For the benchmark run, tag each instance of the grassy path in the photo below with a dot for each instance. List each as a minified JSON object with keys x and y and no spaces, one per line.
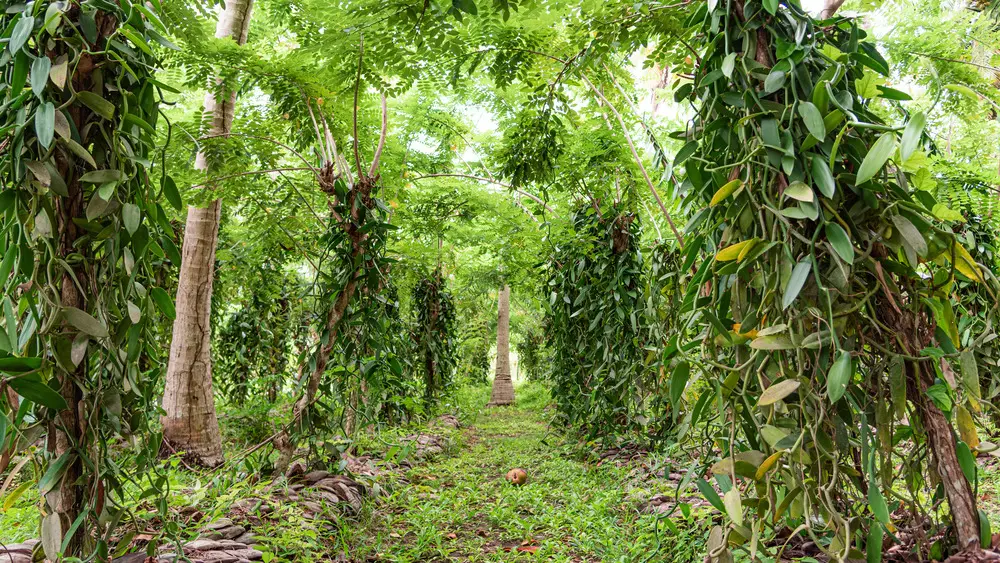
{"x":459,"y":508}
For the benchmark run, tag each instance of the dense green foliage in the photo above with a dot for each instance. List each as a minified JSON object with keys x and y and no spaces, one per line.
{"x":762,"y":243}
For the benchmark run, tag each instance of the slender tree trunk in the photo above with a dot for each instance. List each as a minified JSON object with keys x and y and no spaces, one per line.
{"x":190,"y":423}
{"x":503,"y":387}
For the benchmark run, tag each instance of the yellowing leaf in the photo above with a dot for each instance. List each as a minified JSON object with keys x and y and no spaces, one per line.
{"x":967,"y":427}
{"x":965,"y":264}
{"x":725,"y":191}
{"x":777,"y":392}
{"x":734,"y":505}
{"x":768,"y":464}
{"x":732,"y":252}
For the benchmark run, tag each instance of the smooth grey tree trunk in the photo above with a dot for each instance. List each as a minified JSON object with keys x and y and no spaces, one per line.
{"x":190,"y":423}
{"x":503,"y":387}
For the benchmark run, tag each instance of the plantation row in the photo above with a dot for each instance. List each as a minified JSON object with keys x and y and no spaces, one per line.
{"x":771,"y":261}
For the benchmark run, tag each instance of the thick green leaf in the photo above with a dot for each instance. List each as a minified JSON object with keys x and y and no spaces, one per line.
{"x":840,"y":241}
{"x":45,"y":124}
{"x":102,"y":176}
{"x":813,"y":120}
{"x":873,"y":548}
{"x":728,"y":64}
{"x":171,"y":193}
{"x":822,"y":177}
{"x":34,"y":390}
{"x":40,"y":74}
{"x":911,"y":135}
{"x":799,"y":191}
{"x":131,"y":217}
{"x":99,"y":105}
{"x":710,"y":495}
{"x":686,"y":151}
{"x":840,"y":374}
{"x":163,"y":302}
{"x":21,"y":33}
{"x":800,"y":273}
{"x":910,"y":234}
{"x":877,"y":502}
{"x":13,"y":364}
{"x":774,"y":81}
{"x":966,"y":461}
{"x":84,"y":322}
{"x":678,"y":381}
{"x":55,"y":472}
{"x":876,"y":158}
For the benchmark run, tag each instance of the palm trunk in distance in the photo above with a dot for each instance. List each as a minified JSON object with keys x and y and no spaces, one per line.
{"x":503,"y":387}
{"x":190,"y":423}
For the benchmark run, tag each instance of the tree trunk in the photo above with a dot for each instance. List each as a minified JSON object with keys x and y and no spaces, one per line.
{"x":190,"y":423}
{"x":941,"y":439}
{"x":65,"y":502}
{"x":503,"y":387}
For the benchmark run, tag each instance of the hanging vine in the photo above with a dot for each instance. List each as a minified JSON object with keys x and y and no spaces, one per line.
{"x":434,"y":333}
{"x":81,"y":230}
{"x":826,"y":283}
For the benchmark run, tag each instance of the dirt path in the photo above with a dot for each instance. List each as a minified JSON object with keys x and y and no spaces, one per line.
{"x":459,"y":508}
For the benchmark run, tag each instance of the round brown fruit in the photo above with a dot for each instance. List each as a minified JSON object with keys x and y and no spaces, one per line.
{"x":517,"y":476}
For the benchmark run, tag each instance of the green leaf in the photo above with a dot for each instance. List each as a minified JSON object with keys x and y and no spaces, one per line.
{"x":99,"y":105}
{"x":40,"y":75}
{"x":686,"y":151}
{"x":84,"y":322}
{"x":822,"y":177}
{"x":467,"y":6}
{"x":966,"y":461}
{"x":771,"y":6}
{"x":13,"y":364}
{"x":799,"y":191}
{"x":876,"y":158}
{"x":795,"y":282}
{"x":78,"y":150}
{"x":772,"y":342}
{"x":910,"y":234}
{"x":985,"y":535}
{"x":728,"y":64}
{"x":839,"y":376}
{"x":34,"y":390}
{"x":774,"y":81}
{"x":963,"y":90}
{"x":20,"y":73}
{"x":911,"y":135}
{"x":45,"y":124}
{"x":55,"y":472}
{"x":877,"y":502}
{"x":710,"y":495}
{"x":873,"y":548}
{"x":21,"y":33}
{"x":945,"y":213}
{"x":163,"y":302}
{"x":171,"y":193}
{"x":678,"y":381}
{"x":813,"y":120}
{"x":102,"y":176}
{"x":840,"y":241}
{"x":131,"y":217}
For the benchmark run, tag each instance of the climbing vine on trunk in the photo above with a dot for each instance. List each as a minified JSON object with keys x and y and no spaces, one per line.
{"x":825,"y":283}
{"x":81,"y":231}
{"x":595,"y":299}
{"x":435,"y":335}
